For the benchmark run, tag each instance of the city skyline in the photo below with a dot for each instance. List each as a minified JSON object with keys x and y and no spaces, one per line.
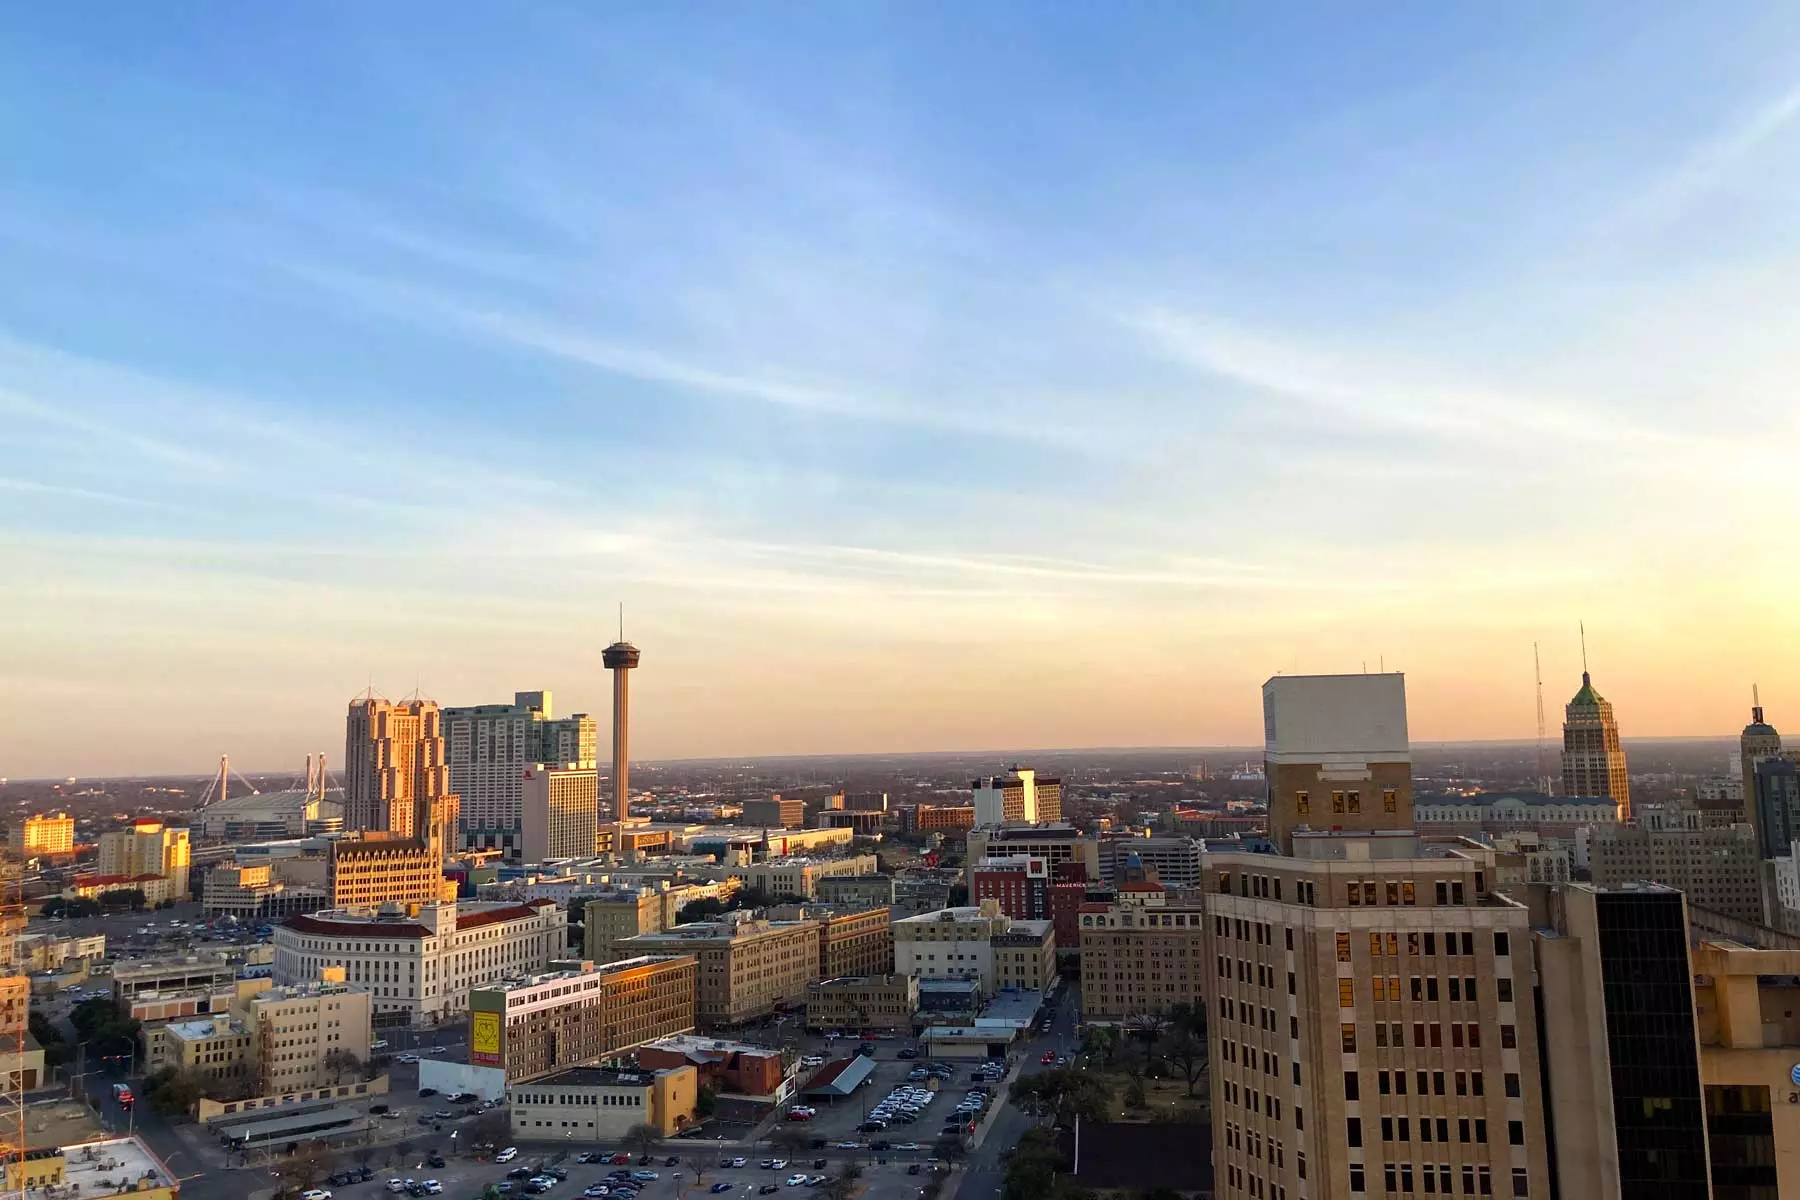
{"x":918,"y":379}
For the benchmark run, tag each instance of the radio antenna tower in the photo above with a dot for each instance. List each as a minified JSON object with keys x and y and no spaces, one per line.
{"x":1538,"y":666}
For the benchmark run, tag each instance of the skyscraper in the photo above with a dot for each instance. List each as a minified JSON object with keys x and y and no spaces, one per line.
{"x":1593,"y":762}
{"x":561,"y":811}
{"x":1758,"y":742}
{"x":394,"y":766}
{"x":1336,"y":753}
{"x":621,"y":658}
{"x":490,"y":747}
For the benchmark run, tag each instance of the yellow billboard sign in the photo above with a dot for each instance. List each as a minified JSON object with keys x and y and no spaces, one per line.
{"x":484,"y":1038}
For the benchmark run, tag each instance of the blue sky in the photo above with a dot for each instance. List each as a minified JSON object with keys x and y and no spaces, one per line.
{"x":919,"y":376}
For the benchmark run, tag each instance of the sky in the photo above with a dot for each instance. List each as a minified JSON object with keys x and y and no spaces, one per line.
{"x":917,"y":376}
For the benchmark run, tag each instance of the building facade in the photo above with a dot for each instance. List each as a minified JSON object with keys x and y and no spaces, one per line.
{"x":858,"y":1002}
{"x":1176,"y":860}
{"x":978,"y":943}
{"x":1621,"y":1057}
{"x":748,"y":968}
{"x":372,"y":869}
{"x":937,"y":818}
{"x":1371,"y":1024}
{"x":855,"y":943}
{"x":1718,"y":868}
{"x":1759,"y":741}
{"x":1593,"y":761}
{"x":1025,"y":957}
{"x":309,"y":1035}
{"x":1017,"y":798}
{"x":560,"y":811}
{"x":489,"y":749}
{"x":1336,"y":755}
{"x":1141,"y":959}
{"x":147,"y":848}
{"x":43,"y":834}
{"x":776,"y":812}
{"x":853,"y":892}
{"x":618,"y":914}
{"x":573,"y":1017}
{"x":1055,"y":844}
{"x":419,"y":966}
{"x":595,"y":1104}
{"x":1777,"y":817}
{"x":800,"y":876}
{"x":393,"y":764}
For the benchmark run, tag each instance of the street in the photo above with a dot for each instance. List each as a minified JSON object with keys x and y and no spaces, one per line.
{"x":984,"y":1172}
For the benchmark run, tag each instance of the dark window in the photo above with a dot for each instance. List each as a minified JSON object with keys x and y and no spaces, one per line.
{"x":1352,"y":1086}
{"x":1353,"y":1131}
{"x":1515,"y":1133}
{"x":1502,"y":945}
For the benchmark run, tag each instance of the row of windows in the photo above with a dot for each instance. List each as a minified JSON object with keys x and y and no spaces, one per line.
{"x":1456,"y":944}
{"x":1343,"y":802}
{"x":584,"y":1099}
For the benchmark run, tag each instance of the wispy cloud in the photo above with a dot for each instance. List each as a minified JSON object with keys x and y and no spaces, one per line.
{"x":64,"y":491}
{"x":1708,"y":167}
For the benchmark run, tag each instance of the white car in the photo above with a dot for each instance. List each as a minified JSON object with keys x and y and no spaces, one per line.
{"x":507,"y":1155}
{"x":409,"y":1059}
{"x":315,"y":1194}
{"x":776,"y":1164}
{"x":433,"y":1187}
{"x":395,"y":1185}
{"x":796,"y":1181}
{"x":740,"y":1162}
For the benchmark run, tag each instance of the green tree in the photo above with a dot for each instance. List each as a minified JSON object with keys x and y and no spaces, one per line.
{"x":700,"y":910}
{"x":706,"y":1101}
{"x":173,"y":1093}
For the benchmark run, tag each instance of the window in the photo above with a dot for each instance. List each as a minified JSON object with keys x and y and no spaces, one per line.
{"x":1291,"y":985}
{"x":1443,"y":892}
{"x":1374,"y":945}
{"x":1521,"y":1185}
{"x":1501,"y":948}
{"x":1512,"y":1084}
{"x":1337,"y":803}
{"x":1369,"y":892}
{"x":1515,"y":1133}
{"x":1406,"y":892}
{"x":1509,"y":1037}
{"x":1356,"y":802}
{"x":1352,"y":1085}
{"x":1393,"y":892}
{"x":1290,"y":938}
{"x":1504,"y":986}
{"x":1302,"y":802}
{"x":1353,"y":1131}
{"x":1347,"y":1032}
{"x":1390,"y":800}
{"x":1356,"y":1177}
{"x":1343,"y":939}
{"x":1381,"y":1077}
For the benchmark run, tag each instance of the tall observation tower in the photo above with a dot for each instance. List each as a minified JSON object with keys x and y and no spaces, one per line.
{"x":621,"y":657}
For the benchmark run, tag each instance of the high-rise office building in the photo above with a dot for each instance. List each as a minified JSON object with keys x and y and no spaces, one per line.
{"x":776,"y":812}
{"x":393,"y":760}
{"x":1621,"y":1057}
{"x":1017,"y":798}
{"x":1718,"y":867}
{"x":1371,"y":1024}
{"x":41,"y":833}
{"x":1336,"y":754}
{"x":1776,"y":784}
{"x":1593,"y":761}
{"x":1758,"y":742}
{"x":560,"y":811}
{"x":490,"y":747}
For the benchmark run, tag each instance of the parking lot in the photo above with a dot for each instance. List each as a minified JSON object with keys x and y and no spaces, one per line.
{"x":838,"y":1122}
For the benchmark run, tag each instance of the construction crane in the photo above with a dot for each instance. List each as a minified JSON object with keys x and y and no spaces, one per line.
{"x":1543,"y":772}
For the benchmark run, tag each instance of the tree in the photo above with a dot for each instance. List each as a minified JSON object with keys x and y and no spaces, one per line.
{"x":1101,"y":1042}
{"x":308,"y":1165}
{"x":789,"y":1139}
{"x":173,"y":1093}
{"x":490,"y":1129}
{"x":641,"y":1138}
{"x":842,"y":1183}
{"x":700,"y":910}
{"x":1187,"y":1054}
{"x":1031,"y":1172}
{"x":699,"y":1162}
{"x":339,"y":1063}
{"x":403,"y":1149}
{"x":706,"y":1101}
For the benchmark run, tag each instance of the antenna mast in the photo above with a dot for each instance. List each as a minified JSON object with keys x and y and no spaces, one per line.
{"x":1538,"y":665}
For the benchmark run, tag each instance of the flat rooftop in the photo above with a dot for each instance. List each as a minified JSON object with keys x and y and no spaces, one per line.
{"x":87,"y":1164}
{"x":595,"y":1077}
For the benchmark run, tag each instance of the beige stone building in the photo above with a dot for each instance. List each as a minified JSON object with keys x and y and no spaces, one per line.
{"x":800,"y":876}
{"x":980,"y":943}
{"x":579,"y":1016}
{"x":1336,"y":754}
{"x":614,"y":916}
{"x":419,"y":964}
{"x":1142,"y":958}
{"x":146,"y":848}
{"x":855,"y":943}
{"x":43,"y":833}
{"x":279,"y":1040}
{"x":1716,"y":866}
{"x":596,"y":1104}
{"x":748,"y":968}
{"x":559,"y":805}
{"x":1593,"y":759}
{"x":862,"y":1002}
{"x":1371,"y":1023}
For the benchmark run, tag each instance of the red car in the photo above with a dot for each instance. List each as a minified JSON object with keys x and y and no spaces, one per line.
{"x":1047,"y":1057}
{"x":620,"y":1160}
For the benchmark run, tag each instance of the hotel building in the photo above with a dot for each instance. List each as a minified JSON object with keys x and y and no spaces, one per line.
{"x":748,"y":968}
{"x":574,"y":1017}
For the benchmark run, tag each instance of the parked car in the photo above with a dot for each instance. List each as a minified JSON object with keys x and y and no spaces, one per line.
{"x":595,"y":1190}
{"x":908,"y":1052}
{"x":396,"y":1185}
{"x":507,"y":1155}
{"x":719,"y":1189}
{"x":796,"y":1181}
{"x":436,"y":1161}
{"x":427,"y":1091}
{"x":315,"y":1194}
{"x":645,"y":1176}
{"x":408,"y":1059}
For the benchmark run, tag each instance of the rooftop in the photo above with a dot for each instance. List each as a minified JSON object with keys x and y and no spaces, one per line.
{"x":593,"y":970}
{"x":704,"y":1049}
{"x":111,"y":1167}
{"x":597,"y":1077}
